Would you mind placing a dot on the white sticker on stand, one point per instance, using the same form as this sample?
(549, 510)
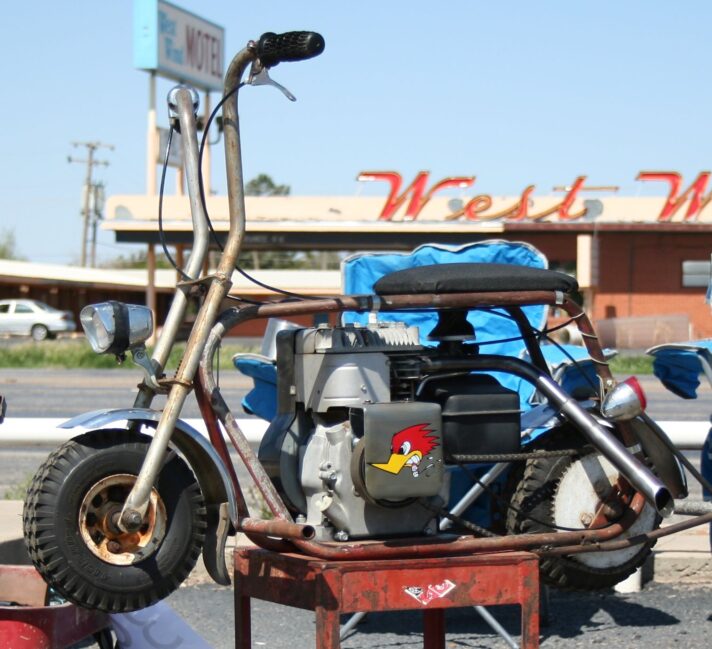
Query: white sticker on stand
(427, 594)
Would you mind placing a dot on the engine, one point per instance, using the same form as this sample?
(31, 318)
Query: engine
(362, 441)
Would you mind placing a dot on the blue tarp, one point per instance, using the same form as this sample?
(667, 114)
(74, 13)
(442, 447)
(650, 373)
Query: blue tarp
(262, 399)
(360, 272)
(678, 366)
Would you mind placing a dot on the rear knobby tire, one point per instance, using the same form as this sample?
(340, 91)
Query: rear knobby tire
(59, 532)
(533, 511)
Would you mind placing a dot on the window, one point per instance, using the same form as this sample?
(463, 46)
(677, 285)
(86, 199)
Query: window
(4, 308)
(695, 274)
(23, 308)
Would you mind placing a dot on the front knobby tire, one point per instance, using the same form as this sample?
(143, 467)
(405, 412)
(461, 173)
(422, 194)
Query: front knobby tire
(553, 491)
(68, 529)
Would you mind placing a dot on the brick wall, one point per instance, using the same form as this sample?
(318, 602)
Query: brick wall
(641, 275)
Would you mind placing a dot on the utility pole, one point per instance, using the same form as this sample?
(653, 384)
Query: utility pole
(91, 147)
(97, 208)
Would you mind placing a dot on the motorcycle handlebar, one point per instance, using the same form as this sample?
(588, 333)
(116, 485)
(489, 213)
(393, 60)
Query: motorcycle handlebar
(291, 46)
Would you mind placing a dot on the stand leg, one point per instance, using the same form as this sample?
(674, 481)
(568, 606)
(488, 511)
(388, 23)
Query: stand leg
(243, 622)
(530, 622)
(434, 628)
(327, 629)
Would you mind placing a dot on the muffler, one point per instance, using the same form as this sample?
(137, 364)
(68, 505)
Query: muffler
(633, 470)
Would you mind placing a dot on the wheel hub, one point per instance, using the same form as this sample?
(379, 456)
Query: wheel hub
(99, 515)
(586, 486)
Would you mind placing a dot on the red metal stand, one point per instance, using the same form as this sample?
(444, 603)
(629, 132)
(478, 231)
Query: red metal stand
(330, 588)
(31, 624)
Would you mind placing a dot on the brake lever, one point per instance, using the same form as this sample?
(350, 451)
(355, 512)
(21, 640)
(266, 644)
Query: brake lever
(260, 77)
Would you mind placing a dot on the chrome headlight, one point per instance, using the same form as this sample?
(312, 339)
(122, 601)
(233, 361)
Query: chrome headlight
(625, 401)
(113, 327)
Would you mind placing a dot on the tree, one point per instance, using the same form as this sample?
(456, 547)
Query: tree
(263, 185)
(8, 245)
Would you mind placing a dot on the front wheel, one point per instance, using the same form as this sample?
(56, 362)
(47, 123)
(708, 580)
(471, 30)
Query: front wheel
(70, 515)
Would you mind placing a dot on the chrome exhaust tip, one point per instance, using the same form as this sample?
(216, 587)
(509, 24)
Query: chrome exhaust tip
(631, 468)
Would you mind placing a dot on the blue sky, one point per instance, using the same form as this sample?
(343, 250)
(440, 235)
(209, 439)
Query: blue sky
(512, 92)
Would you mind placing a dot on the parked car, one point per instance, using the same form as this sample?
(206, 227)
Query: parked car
(33, 318)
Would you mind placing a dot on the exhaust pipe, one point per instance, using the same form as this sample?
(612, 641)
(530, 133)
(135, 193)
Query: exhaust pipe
(634, 471)
(642, 479)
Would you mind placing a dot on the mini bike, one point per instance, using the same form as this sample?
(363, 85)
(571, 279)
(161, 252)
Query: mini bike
(374, 421)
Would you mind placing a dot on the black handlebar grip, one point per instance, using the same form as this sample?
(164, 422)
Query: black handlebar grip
(290, 46)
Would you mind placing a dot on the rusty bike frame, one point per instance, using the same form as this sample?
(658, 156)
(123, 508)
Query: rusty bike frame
(195, 371)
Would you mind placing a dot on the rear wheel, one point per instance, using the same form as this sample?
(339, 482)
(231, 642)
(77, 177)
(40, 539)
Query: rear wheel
(565, 492)
(70, 529)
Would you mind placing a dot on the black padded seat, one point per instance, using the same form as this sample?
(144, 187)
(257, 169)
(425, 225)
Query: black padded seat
(472, 278)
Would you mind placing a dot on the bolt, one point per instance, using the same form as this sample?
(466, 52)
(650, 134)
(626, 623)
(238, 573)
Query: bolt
(132, 520)
(342, 535)
(429, 531)
(586, 519)
(114, 547)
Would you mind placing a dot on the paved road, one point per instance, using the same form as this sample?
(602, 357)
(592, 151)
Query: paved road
(65, 393)
(660, 617)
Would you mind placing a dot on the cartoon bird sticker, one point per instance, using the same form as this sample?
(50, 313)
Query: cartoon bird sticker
(408, 448)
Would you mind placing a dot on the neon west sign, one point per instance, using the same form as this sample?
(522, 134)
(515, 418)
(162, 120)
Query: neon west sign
(417, 196)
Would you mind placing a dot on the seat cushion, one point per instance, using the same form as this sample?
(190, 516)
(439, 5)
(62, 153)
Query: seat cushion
(473, 278)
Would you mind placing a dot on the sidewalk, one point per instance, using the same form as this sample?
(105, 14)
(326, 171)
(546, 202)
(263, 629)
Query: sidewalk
(684, 557)
(680, 558)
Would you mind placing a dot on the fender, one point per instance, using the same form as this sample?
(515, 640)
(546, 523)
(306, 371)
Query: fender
(209, 470)
(662, 454)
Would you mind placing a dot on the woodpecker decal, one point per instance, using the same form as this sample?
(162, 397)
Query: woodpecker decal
(408, 448)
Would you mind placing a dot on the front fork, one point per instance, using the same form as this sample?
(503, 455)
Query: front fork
(136, 504)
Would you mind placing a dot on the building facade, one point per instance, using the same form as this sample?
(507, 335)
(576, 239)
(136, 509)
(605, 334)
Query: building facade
(642, 262)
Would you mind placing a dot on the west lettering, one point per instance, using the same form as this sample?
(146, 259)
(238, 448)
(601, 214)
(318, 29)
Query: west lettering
(694, 193)
(416, 190)
(416, 196)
